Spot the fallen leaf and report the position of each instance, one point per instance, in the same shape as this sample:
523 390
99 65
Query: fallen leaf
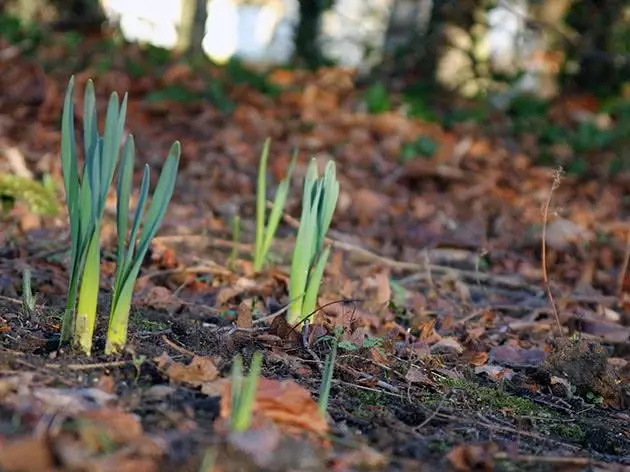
479 358
200 370
447 345
468 458
244 315
114 424
517 357
286 403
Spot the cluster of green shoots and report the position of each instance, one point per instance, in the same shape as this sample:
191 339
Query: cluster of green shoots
86 192
310 254
319 199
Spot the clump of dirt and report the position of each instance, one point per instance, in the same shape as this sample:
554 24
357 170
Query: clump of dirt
584 364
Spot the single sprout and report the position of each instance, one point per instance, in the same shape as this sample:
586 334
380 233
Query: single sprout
243 391
129 259
266 232
309 255
324 389
28 299
86 193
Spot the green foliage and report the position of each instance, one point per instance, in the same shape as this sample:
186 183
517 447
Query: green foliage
129 259
377 99
86 192
319 200
324 389
28 299
40 197
29 35
424 146
243 392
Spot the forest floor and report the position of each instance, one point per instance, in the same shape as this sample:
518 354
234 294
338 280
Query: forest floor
450 356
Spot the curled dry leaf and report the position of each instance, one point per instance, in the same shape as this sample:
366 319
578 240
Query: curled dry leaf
200 370
118 426
468 458
287 404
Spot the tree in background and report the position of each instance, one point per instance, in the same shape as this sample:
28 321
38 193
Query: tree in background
600 45
192 27
306 38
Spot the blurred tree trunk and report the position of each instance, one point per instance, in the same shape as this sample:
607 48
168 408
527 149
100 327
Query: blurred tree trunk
192 27
601 66
306 39
431 41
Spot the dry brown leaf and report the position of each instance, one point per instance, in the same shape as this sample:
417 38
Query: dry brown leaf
114 424
200 370
468 458
479 358
244 315
286 403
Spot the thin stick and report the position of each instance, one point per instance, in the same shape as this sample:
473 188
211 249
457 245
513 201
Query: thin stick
624 267
554 187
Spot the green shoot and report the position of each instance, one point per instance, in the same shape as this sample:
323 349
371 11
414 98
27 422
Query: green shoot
244 392
324 389
266 232
129 259
309 255
86 192
28 300
236 237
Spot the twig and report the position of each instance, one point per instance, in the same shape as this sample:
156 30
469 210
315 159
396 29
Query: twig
178 348
545 275
97 365
624 266
432 416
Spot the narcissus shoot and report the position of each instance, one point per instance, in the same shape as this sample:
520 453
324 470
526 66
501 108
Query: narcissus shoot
319 200
265 230
129 259
86 192
243 392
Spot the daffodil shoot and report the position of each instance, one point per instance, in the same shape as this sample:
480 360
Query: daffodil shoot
129 258
319 200
265 230
86 190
